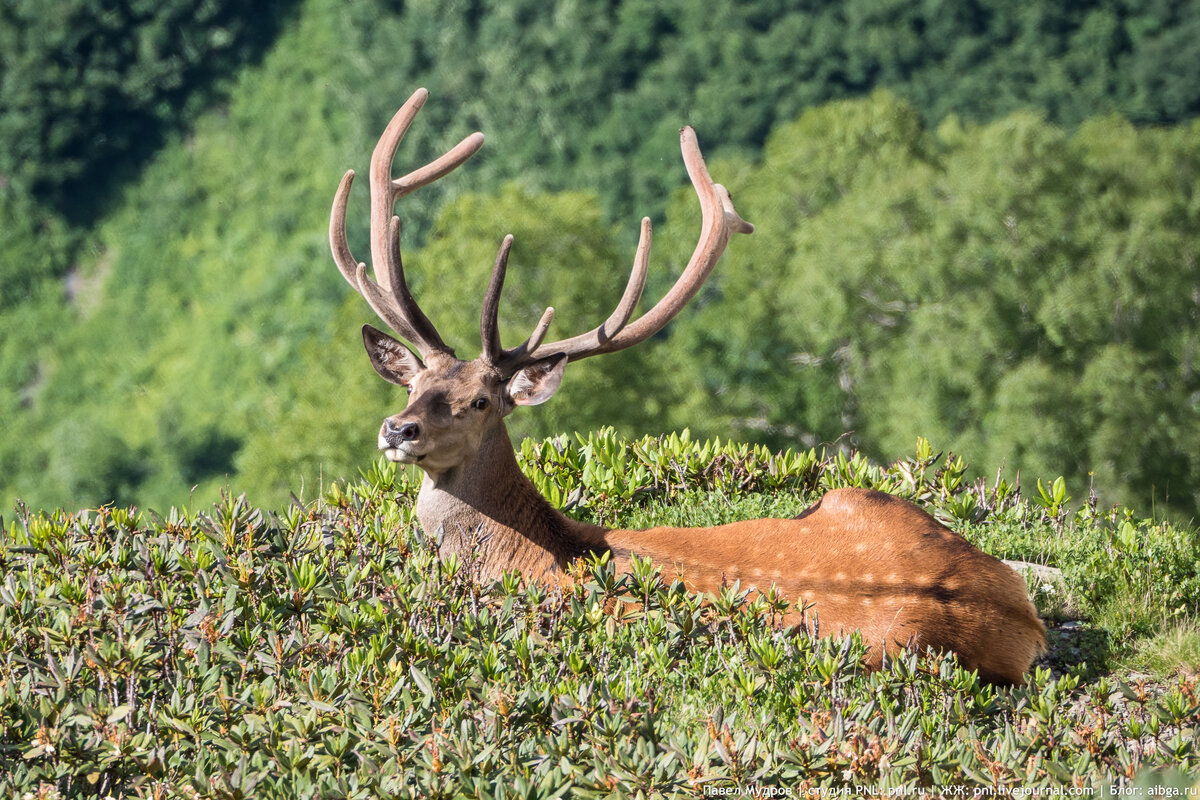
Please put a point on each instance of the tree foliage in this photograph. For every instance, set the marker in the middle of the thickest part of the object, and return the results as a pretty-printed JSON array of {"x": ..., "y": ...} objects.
[
  {"x": 86, "y": 85},
  {"x": 1024, "y": 296},
  {"x": 1021, "y": 289},
  {"x": 572, "y": 87}
]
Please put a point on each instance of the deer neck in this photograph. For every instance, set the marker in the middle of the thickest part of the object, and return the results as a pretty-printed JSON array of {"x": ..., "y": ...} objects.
[{"x": 491, "y": 515}]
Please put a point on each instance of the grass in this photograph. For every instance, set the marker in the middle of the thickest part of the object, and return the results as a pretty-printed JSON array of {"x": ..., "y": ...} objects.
[
  {"x": 1175, "y": 650},
  {"x": 323, "y": 650}
]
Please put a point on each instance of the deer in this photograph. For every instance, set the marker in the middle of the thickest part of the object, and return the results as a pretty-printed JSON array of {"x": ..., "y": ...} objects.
[{"x": 855, "y": 560}]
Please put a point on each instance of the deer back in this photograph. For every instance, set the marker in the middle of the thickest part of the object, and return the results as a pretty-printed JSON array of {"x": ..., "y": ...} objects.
[{"x": 867, "y": 562}]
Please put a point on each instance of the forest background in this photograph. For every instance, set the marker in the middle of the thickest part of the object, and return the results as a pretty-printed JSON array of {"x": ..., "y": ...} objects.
[{"x": 978, "y": 222}]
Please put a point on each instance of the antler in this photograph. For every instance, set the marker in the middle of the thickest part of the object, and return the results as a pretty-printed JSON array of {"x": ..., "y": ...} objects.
[
  {"x": 720, "y": 222},
  {"x": 388, "y": 292}
]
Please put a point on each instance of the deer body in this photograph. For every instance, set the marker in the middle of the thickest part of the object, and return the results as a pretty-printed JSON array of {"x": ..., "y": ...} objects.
[
  {"x": 872, "y": 563},
  {"x": 865, "y": 560}
]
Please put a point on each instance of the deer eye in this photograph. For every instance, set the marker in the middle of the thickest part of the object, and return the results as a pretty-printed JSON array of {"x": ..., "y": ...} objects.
[{"x": 479, "y": 404}]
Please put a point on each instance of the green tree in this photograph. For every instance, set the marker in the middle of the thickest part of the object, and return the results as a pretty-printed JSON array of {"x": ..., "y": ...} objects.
[
  {"x": 194, "y": 321},
  {"x": 1020, "y": 295},
  {"x": 87, "y": 83}
]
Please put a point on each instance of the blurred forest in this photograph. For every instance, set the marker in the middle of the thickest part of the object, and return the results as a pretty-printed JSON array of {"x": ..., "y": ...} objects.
[{"x": 978, "y": 222}]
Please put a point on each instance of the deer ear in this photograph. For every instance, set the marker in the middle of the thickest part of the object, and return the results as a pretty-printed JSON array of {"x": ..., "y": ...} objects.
[
  {"x": 538, "y": 382},
  {"x": 394, "y": 362}
]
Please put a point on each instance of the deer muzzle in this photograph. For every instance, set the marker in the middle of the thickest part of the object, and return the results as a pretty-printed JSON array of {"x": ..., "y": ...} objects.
[{"x": 398, "y": 440}]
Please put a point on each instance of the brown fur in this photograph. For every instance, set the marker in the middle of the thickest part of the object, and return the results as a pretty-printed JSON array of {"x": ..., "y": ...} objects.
[{"x": 869, "y": 562}]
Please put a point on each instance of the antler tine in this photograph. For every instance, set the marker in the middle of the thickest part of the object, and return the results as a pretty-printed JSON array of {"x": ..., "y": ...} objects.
[
  {"x": 436, "y": 169},
  {"x": 337, "y": 231},
  {"x": 489, "y": 320},
  {"x": 539, "y": 331},
  {"x": 409, "y": 310},
  {"x": 388, "y": 293},
  {"x": 382, "y": 198},
  {"x": 384, "y": 305},
  {"x": 720, "y": 222},
  {"x": 633, "y": 288}
]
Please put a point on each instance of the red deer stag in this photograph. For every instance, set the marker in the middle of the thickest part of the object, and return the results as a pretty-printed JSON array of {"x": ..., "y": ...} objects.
[{"x": 868, "y": 561}]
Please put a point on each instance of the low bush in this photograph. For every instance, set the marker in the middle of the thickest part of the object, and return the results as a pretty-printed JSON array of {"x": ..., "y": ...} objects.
[{"x": 325, "y": 650}]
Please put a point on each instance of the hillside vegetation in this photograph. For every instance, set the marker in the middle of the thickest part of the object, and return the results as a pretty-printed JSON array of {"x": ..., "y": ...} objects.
[
  {"x": 325, "y": 651},
  {"x": 1020, "y": 286}
]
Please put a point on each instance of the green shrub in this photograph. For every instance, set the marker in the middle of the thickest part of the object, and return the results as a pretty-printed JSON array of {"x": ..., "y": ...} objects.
[{"x": 324, "y": 650}]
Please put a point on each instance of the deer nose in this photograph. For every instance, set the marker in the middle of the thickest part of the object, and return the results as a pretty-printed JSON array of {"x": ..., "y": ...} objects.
[{"x": 400, "y": 432}]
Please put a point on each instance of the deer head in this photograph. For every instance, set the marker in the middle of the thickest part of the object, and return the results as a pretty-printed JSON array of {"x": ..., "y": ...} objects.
[{"x": 454, "y": 404}]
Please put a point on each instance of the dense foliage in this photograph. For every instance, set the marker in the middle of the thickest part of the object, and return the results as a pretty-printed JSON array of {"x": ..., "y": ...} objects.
[
  {"x": 571, "y": 87},
  {"x": 88, "y": 87},
  {"x": 325, "y": 651},
  {"x": 1026, "y": 297},
  {"x": 1021, "y": 292}
]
